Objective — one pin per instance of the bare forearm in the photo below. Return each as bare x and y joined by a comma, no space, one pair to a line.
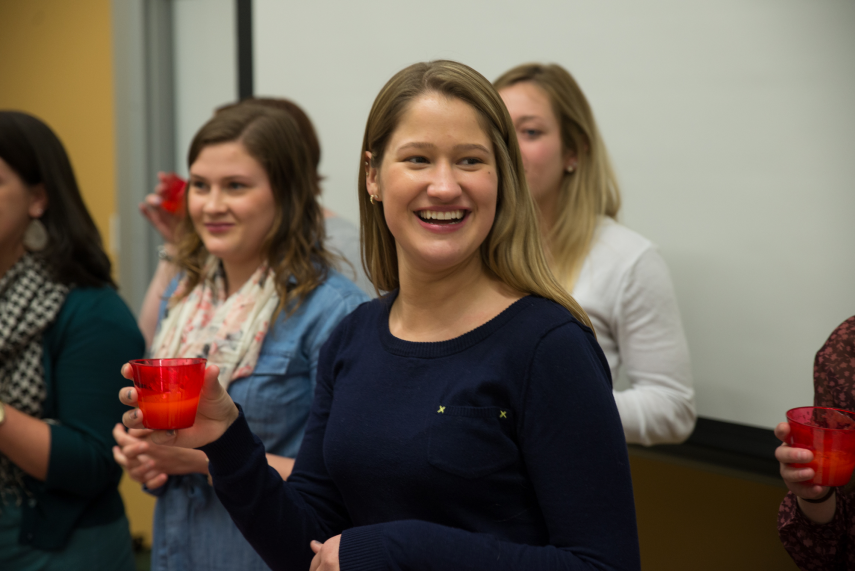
147,320
26,442
819,513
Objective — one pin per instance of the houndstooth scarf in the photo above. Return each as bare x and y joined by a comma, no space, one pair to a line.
29,302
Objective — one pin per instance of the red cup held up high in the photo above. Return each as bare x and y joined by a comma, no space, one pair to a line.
172,197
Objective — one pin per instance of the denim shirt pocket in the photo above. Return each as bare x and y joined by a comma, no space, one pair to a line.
471,442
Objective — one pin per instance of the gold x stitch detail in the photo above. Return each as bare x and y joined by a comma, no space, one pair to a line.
441,409
503,414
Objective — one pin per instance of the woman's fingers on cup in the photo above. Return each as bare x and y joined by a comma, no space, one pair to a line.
787,454
128,396
211,383
133,418
794,475
154,200
128,371
782,431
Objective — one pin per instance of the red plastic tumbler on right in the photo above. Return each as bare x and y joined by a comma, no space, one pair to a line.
830,434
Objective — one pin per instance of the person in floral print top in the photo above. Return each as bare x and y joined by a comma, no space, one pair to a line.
821,536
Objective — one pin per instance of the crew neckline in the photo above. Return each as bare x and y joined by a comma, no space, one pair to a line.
433,349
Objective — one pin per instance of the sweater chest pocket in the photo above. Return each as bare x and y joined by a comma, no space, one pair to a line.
471,442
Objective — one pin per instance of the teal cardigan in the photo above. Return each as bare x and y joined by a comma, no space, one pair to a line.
93,335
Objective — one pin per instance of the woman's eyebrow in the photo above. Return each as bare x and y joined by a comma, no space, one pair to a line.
417,145
471,147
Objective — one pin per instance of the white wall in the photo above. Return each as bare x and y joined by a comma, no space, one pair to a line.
730,123
205,66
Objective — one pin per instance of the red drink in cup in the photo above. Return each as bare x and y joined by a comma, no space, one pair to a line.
830,434
168,391
172,197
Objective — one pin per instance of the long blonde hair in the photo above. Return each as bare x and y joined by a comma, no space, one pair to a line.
586,194
294,246
512,250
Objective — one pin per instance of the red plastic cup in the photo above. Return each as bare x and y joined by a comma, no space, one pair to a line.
172,197
168,391
830,434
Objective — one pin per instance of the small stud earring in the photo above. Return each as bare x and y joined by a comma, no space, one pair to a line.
570,168
373,197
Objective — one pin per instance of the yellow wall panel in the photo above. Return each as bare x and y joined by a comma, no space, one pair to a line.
56,63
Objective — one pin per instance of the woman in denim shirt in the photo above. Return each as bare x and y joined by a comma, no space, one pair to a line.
250,250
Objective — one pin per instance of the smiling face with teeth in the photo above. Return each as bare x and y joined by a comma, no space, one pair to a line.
438,184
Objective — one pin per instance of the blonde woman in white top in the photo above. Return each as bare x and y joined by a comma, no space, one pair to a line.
616,275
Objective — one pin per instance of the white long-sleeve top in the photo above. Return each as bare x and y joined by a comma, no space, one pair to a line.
625,287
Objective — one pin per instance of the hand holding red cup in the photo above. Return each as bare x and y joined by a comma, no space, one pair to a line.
216,412
168,391
172,193
830,434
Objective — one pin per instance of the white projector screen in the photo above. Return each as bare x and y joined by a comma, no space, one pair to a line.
730,124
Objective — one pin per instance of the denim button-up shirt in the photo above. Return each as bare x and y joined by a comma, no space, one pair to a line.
192,530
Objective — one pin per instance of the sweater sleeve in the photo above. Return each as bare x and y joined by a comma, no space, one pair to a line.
280,519
91,344
659,406
575,454
814,546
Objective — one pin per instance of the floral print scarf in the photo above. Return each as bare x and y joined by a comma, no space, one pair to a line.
228,331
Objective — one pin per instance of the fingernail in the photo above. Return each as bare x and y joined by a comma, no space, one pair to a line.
316,542
134,414
170,432
129,394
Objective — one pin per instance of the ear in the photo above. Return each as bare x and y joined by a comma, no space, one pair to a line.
371,177
570,159
38,200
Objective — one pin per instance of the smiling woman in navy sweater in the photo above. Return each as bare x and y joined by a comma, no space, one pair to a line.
466,419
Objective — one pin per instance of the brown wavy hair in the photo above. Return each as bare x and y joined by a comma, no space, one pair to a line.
513,250
307,129
592,190
294,247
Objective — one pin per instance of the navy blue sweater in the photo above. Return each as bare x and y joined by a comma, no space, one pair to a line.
500,449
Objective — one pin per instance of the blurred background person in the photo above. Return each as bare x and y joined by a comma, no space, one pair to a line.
256,295
342,236
817,523
63,331
616,275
